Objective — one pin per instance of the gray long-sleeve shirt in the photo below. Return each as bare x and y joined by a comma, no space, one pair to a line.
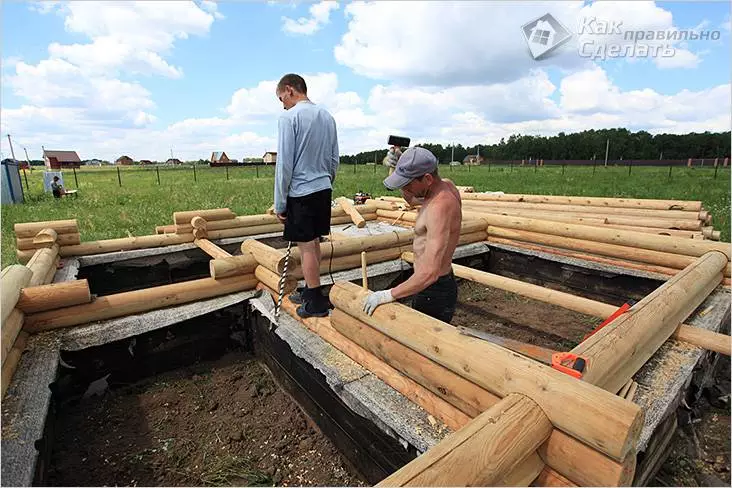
307,153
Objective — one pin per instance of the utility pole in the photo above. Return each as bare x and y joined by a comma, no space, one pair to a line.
607,148
452,155
12,153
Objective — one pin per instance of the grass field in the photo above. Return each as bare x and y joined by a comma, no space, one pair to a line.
107,210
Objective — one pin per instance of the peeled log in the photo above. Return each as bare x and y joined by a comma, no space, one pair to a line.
407,216
137,301
199,234
617,351
598,418
9,366
210,215
353,260
42,261
585,464
10,329
687,205
689,247
125,244
711,341
30,229
548,477
57,295
347,206
211,249
433,404
62,240
199,222
13,279
45,236
265,255
232,266
484,452
52,271
383,204
627,251
272,280
526,472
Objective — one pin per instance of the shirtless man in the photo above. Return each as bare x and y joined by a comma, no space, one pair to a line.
437,231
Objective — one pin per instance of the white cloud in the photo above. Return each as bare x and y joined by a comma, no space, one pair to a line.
319,17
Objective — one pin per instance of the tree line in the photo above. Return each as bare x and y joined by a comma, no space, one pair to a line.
588,144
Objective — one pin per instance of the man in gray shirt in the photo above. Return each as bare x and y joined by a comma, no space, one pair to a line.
307,161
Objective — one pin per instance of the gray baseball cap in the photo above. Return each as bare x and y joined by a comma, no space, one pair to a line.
415,162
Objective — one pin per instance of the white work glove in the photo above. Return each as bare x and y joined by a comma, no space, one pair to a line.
375,299
392,157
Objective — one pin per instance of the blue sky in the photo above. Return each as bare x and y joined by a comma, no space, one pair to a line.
107,78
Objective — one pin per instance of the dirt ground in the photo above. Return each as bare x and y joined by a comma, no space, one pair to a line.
219,423
700,450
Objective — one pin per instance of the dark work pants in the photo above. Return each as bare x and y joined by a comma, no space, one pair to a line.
439,299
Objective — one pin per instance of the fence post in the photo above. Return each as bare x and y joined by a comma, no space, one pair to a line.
536,165
227,173
119,176
716,168
25,175
630,166
594,166
157,172
510,165
374,168
354,168
256,169
76,181
669,171
469,167
563,165
194,172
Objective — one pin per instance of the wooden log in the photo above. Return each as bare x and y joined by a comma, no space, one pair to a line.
41,263
526,472
624,388
382,204
687,234
352,261
165,229
397,214
199,234
211,249
265,255
364,274
631,391
556,217
62,240
272,280
626,251
10,329
270,210
57,295
617,351
482,453
30,229
598,418
716,235
13,279
125,244
471,399
617,211
347,206
232,266
455,389
121,304
549,477
436,406
52,271
180,218
199,222
45,236
11,364
389,198
592,201
362,209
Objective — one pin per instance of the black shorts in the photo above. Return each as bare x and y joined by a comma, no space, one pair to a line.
308,217
439,299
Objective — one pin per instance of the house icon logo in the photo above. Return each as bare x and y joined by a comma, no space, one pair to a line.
544,35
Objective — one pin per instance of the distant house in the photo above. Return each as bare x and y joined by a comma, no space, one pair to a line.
270,157
473,160
146,161
173,161
124,160
219,157
61,159
93,162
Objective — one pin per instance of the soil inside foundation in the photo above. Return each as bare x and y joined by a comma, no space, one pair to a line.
221,422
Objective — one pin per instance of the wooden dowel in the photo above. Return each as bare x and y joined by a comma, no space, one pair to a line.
137,301
57,295
364,275
30,229
598,418
482,453
211,249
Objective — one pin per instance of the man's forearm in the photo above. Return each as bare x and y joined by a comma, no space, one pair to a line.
416,283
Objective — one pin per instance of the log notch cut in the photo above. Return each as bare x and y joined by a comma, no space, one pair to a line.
589,414
265,255
496,442
436,406
347,206
232,266
617,351
57,295
137,301
706,339
688,205
45,236
561,452
211,249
